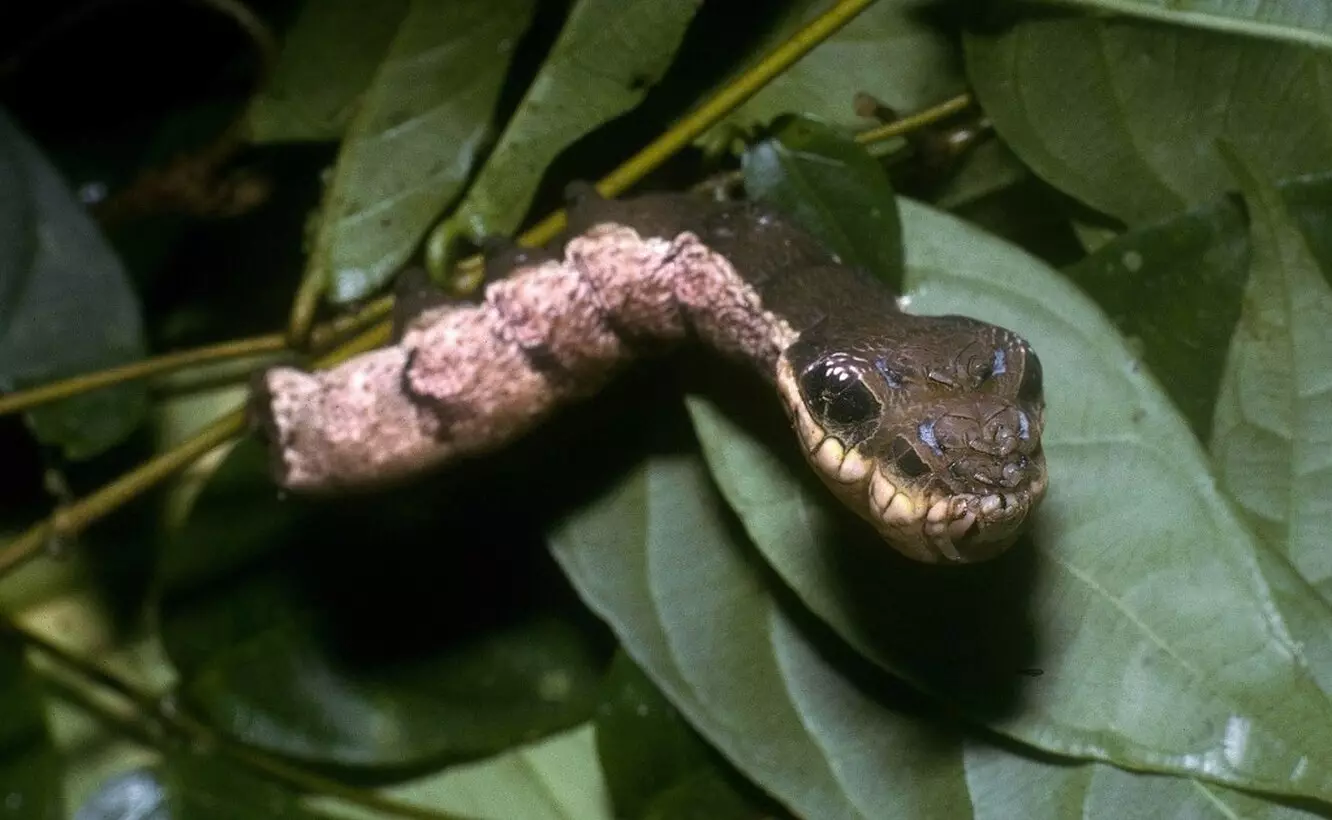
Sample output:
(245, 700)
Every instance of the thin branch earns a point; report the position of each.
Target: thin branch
(69, 520)
(153, 710)
(917, 121)
(324, 337)
(158, 365)
(708, 114)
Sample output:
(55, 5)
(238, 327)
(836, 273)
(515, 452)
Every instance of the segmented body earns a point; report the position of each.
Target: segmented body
(928, 427)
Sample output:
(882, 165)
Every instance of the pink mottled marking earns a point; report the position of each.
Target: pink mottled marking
(472, 378)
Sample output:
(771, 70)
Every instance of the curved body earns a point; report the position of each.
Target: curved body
(928, 427)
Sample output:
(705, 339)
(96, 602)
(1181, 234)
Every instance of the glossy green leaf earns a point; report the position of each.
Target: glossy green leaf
(557, 779)
(609, 53)
(68, 307)
(30, 766)
(1124, 115)
(660, 559)
(416, 135)
(380, 631)
(1273, 435)
(192, 787)
(835, 188)
(889, 51)
(1302, 21)
(329, 57)
(1138, 593)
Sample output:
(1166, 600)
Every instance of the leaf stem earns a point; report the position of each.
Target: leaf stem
(159, 711)
(55, 391)
(916, 121)
(322, 337)
(70, 519)
(711, 112)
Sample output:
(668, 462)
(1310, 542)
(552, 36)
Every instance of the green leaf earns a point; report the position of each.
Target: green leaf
(704, 795)
(609, 53)
(835, 189)
(1273, 436)
(345, 631)
(1014, 785)
(557, 779)
(643, 744)
(655, 765)
(660, 559)
(192, 787)
(329, 57)
(1300, 22)
(1174, 289)
(414, 139)
(30, 766)
(66, 306)
(889, 51)
(1124, 115)
(1138, 593)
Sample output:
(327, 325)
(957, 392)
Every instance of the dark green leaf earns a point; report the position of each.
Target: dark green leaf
(328, 59)
(1173, 288)
(704, 795)
(1124, 114)
(835, 189)
(67, 305)
(379, 631)
(656, 766)
(608, 55)
(1138, 594)
(643, 744)
(661, 560)
(30, 767)
(416, 135)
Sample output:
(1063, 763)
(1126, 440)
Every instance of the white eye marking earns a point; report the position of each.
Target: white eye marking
(1000, 365)
(1024, 426)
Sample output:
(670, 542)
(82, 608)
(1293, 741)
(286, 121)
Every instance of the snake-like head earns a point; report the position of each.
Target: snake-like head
(930, 431)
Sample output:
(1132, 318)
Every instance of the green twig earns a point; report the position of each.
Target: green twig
(69, 520)
(709, 113)
(153, 710)
(915, 122)
(158, 365)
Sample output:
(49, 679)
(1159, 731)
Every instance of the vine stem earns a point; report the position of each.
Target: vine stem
(153, 710)
(916, 121)
(711, 112)
(55, 391)
(70, 519)
(324, 336)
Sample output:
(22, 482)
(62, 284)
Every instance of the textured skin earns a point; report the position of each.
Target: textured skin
(928, 427)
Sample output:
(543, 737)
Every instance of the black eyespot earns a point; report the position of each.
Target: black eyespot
(1033, 379)
(835, 393)
(907, 459)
